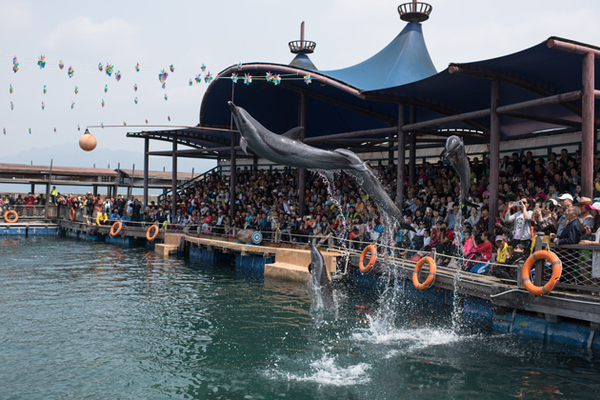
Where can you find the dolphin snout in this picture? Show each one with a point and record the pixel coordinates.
(233, 108)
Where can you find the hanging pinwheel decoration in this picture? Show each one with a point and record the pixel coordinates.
(43, 106)
(100, 68)
(76, 89)
(109, 69)
(269, 76)
(137, 67)
(72, 105)
(103, 103)
(162, 77)
(172, 68)
(234, 77)
(191, 82)
(307, 79)
(203, 67)
(12, 106)
(168, 117)
(118, 76)
(198, 78)
(247, 78)
(44, 90)
(276, 79)
(30, 130)
(42, 61)
(70, 72)
(54, 129)
(78, 127)
(4, 131)
(15, 67)
(105, 88)
(10, 89)
(135, 87)
(166, 97)
(61, 65)
(135, 100)
(208, 77)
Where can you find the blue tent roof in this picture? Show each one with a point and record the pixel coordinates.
(403, 61)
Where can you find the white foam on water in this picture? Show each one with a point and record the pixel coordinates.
(326, 371)
(417, 338)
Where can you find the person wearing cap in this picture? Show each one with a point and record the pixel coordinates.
(566, 201)
(571, 234)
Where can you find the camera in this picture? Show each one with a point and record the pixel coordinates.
(516, 204)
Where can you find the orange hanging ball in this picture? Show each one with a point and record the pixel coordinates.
(87, 141)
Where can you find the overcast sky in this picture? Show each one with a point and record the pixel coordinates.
(187, 34)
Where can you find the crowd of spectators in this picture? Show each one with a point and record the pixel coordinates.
(537, 194)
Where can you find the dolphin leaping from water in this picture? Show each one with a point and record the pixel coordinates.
(455, 153)
(284, 149)
(321, 282)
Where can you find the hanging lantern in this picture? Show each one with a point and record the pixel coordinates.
(87, 141)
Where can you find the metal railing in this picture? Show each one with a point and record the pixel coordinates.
(33, 212)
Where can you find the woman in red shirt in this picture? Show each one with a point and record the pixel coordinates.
(485, 248)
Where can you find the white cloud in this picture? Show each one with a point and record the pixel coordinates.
(114, 37)
(14, 15)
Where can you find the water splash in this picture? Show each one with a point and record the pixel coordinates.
(327, 371)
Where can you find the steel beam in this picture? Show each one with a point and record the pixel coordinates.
(587, 125)
(493, 189)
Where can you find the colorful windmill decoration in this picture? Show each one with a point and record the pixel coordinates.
(44, 90)
(76, 89)
(43, 106)
(30, 130)
(166, 97)
(70, 72)
(109, 69)
(4, 131)
(203, 67)
(102, 125)
(168, 117)
(42, 61)
(269, 76)
(162, 77)
(118, 76)
(191, 82)
(307, 79)
(78, 127)
(247, 78)
(15, 67)
(208, 77)
(54, 129)
(137, 67)
(12, 106)
(276, 79)
(135, 87)
(124, 123)
(103, 103)
(146, 121)
(135, 100)
(171, 68)
(164, 85)
(61, 65)
(239, 66)
(234, 77)
(72, 105)
(10, 89)
(105, 88)
(198, 78)
(100, 67)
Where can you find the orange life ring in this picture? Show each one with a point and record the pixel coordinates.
(361, 264)
(149, 236)
(72, 214)
(116, 228)
(432, 270)
(8, 220)
(556, 272)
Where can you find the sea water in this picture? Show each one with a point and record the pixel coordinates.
(98, 321)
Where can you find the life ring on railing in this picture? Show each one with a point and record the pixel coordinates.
(432, 270)
(8, 220)
(72, 214)
(556, 272)
(150, 236)
(372, 260)
(116, 228)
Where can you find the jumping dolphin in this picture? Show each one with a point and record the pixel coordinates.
(282, 149)
(321, 282)
(455, 153)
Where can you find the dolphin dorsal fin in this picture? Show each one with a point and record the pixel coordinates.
(294, 133)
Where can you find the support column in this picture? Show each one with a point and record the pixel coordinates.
(301, 171)
(494, 153)
(232, 178)
(587, 126)
(146, 167)
(412, 153)
(401, 158)
(174, 182)
(48, 185)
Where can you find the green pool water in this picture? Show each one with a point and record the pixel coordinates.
(82, 320)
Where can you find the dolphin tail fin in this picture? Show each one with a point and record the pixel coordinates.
(294, 133)
(310, 268)
(469, 203)
(244, 144)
